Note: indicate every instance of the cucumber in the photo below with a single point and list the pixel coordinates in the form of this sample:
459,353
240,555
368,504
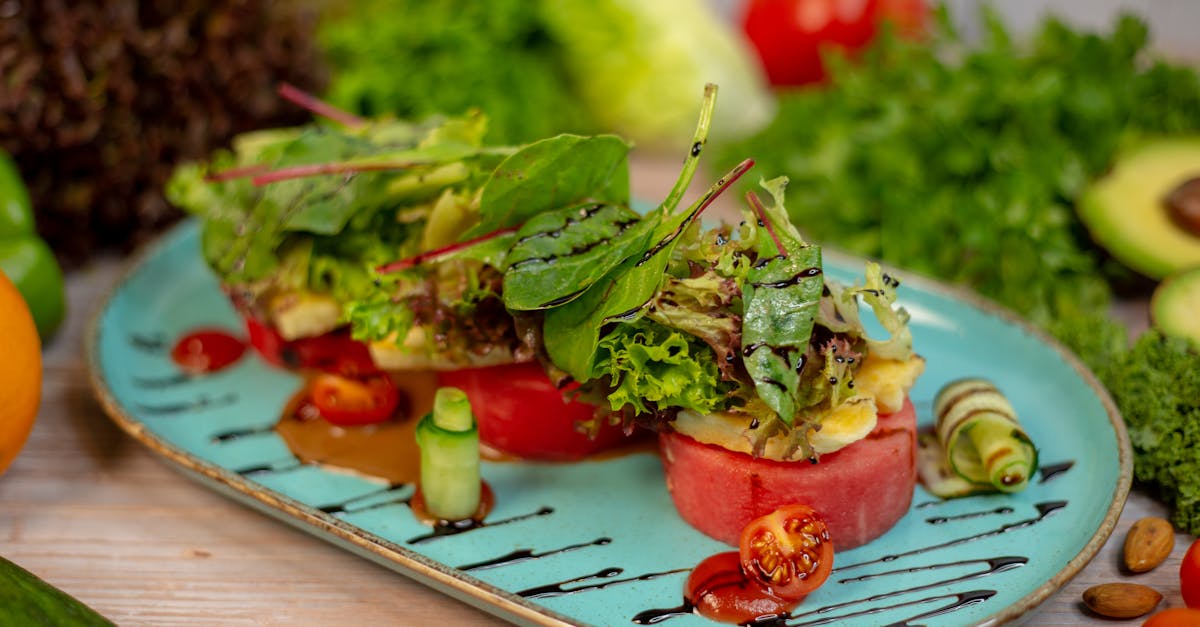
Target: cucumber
27,601
983,446
449,441
1175,305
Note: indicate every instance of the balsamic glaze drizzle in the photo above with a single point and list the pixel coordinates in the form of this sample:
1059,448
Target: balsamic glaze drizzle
1051,471
584,214
180,407
344,506
961,599
995,565
290,464
941,520
525,555
158,383
245,432
655,616
1045,509
560,589
148,343
578,250
807,273
561,299
462,526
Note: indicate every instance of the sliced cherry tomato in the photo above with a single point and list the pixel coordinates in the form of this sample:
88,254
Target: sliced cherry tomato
1189,576
207,350
350,402
1174,617
332,352
266,341
788,550
791,35
521,413
720,590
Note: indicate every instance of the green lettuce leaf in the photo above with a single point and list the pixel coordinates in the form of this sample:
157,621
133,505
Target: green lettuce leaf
653,368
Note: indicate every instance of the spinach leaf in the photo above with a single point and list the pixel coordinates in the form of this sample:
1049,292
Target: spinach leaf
572,331
561,253
554,173
558,255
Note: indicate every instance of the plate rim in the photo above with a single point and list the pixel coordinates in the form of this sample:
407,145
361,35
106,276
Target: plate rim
484,596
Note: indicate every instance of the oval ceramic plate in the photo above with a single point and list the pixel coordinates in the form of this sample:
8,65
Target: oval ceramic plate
599,542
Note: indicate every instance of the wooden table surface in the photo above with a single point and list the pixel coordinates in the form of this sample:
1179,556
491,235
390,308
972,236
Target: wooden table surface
94,513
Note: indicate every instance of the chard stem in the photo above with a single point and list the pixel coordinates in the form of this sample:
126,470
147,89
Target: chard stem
692,161
303,99
319,169
404,264
761,213
237,173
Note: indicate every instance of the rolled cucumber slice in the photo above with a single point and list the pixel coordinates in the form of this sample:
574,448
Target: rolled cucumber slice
982,440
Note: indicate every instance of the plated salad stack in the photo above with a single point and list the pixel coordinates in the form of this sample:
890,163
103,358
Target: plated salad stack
525,272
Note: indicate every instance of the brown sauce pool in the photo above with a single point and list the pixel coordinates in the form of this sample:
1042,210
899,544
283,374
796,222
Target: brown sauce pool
387,450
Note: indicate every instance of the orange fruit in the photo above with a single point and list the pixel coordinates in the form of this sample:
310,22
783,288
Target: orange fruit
20,372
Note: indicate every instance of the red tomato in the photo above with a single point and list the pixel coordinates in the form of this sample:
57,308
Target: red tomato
720,590
266,341
790,35
521,413
860,491
331,352
207,350
1174,617
349,401
788,550
1189,576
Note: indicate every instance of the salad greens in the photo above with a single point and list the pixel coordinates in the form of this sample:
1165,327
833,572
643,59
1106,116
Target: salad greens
541,67
780,297
653,315
965,162
251,229
1156,384
533,251
413,59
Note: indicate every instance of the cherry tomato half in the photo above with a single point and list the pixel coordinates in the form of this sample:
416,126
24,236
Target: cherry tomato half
1189,576
331,352
788,550
1174,617
790,35
721,591
351,402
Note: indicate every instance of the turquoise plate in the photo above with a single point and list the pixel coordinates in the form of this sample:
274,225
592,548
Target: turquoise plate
566,555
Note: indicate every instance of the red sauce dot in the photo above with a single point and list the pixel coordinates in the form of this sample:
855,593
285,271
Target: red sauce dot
207,350
720,590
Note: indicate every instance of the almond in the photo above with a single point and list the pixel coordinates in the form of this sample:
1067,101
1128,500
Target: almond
1148,544
1121,600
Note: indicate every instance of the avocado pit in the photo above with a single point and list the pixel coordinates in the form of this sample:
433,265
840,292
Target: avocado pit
1183,205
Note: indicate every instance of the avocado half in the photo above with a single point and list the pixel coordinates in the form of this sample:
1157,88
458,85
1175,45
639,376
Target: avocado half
1175,306
1127,213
